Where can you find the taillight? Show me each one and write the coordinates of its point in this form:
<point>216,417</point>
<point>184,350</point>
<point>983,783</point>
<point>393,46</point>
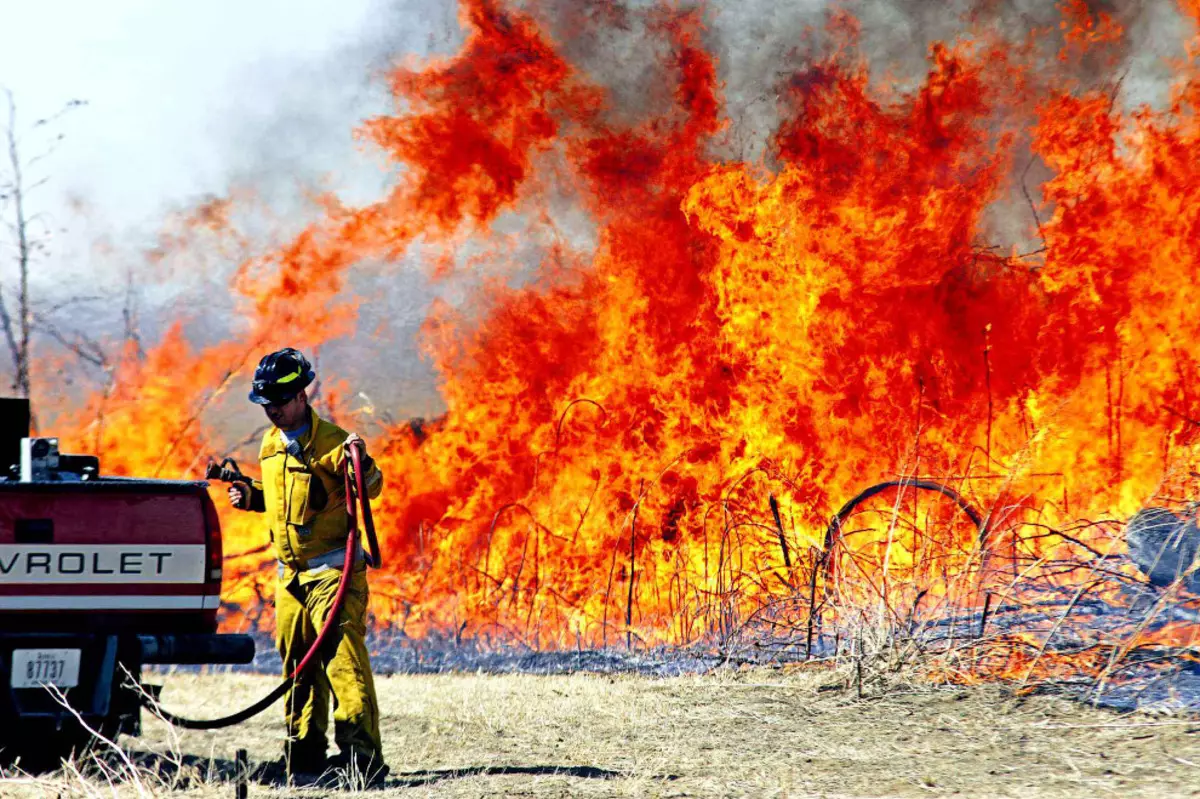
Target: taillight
<point>212,547</point>
<point>212,539</point>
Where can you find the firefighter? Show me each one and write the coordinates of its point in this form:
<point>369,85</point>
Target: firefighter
<point>302,491</point>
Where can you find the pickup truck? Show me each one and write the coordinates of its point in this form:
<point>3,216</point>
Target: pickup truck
<point>99,576</point>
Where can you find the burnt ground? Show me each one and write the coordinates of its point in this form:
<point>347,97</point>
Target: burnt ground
<point>736,732</point>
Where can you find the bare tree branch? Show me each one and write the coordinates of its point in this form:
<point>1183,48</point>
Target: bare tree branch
<point>86,348</point>
<point>6,322</point>
<point>71,301</point>
<point>21,335</point>
<point>18,323</point>
<point>129,314</point>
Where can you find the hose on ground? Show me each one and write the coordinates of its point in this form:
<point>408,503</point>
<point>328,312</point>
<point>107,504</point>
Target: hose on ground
<point>833,535</point>
<point>833,532</point>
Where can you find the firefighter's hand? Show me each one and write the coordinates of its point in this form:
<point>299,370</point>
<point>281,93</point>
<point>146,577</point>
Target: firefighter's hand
<point>239,496</point>
<point>351,440</point>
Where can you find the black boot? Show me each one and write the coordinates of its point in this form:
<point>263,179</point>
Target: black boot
<point>299,763</point>
<point>359,768</point>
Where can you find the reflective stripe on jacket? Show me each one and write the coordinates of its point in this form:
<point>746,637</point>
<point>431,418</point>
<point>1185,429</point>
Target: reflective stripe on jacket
<point>333,559</point>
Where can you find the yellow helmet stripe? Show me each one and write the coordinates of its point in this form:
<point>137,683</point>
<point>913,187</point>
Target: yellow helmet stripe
<point>290,377</point>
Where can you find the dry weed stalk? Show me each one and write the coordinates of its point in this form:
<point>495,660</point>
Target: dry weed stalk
<point>106,769</point>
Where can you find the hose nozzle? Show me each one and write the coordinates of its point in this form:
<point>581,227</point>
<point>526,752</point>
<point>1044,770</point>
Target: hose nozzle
<point>226,471</point>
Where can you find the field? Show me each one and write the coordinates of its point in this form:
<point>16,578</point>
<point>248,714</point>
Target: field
<point>748,733</point>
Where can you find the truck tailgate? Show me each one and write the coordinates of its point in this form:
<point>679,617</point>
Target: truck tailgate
<point>123,548</point>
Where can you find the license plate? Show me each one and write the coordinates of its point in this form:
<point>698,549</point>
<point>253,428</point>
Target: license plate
<point>35,667</point>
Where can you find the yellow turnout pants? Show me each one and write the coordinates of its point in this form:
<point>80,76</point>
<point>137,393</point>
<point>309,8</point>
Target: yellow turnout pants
<point>302,603</point>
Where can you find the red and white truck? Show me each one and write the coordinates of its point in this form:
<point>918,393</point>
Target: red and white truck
<point>99,576</point>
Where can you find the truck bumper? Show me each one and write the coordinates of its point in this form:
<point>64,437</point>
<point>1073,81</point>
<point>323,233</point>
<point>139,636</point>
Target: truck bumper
<point>103,663</point>
<point>196,648</point>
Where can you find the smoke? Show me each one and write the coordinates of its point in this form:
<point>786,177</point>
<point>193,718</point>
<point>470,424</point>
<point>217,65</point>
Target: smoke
<point>894,39</point>
<point>298,140</point>
<point>760,44</point>
<point>295,121</point>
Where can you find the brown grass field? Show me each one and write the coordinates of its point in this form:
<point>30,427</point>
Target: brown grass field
<point>745,733</point>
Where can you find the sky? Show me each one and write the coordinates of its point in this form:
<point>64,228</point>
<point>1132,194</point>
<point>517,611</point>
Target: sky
<point>183,98</point>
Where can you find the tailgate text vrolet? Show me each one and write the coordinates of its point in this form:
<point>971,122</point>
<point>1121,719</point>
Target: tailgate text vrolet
<point>125,563</point>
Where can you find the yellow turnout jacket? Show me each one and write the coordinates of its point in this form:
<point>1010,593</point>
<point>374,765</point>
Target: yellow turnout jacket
<point>304,497</point>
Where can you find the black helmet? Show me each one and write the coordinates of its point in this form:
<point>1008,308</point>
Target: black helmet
<point>281,376</point>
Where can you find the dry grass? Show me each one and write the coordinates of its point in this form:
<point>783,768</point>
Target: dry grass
<point>754,733</point>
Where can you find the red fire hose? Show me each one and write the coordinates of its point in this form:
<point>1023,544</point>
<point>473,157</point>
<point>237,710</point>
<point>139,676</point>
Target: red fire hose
<point>356,495</point>
<point>355,490</point>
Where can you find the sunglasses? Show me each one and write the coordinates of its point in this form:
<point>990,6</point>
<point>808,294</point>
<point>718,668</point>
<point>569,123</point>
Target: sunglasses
<point>274,406</point>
